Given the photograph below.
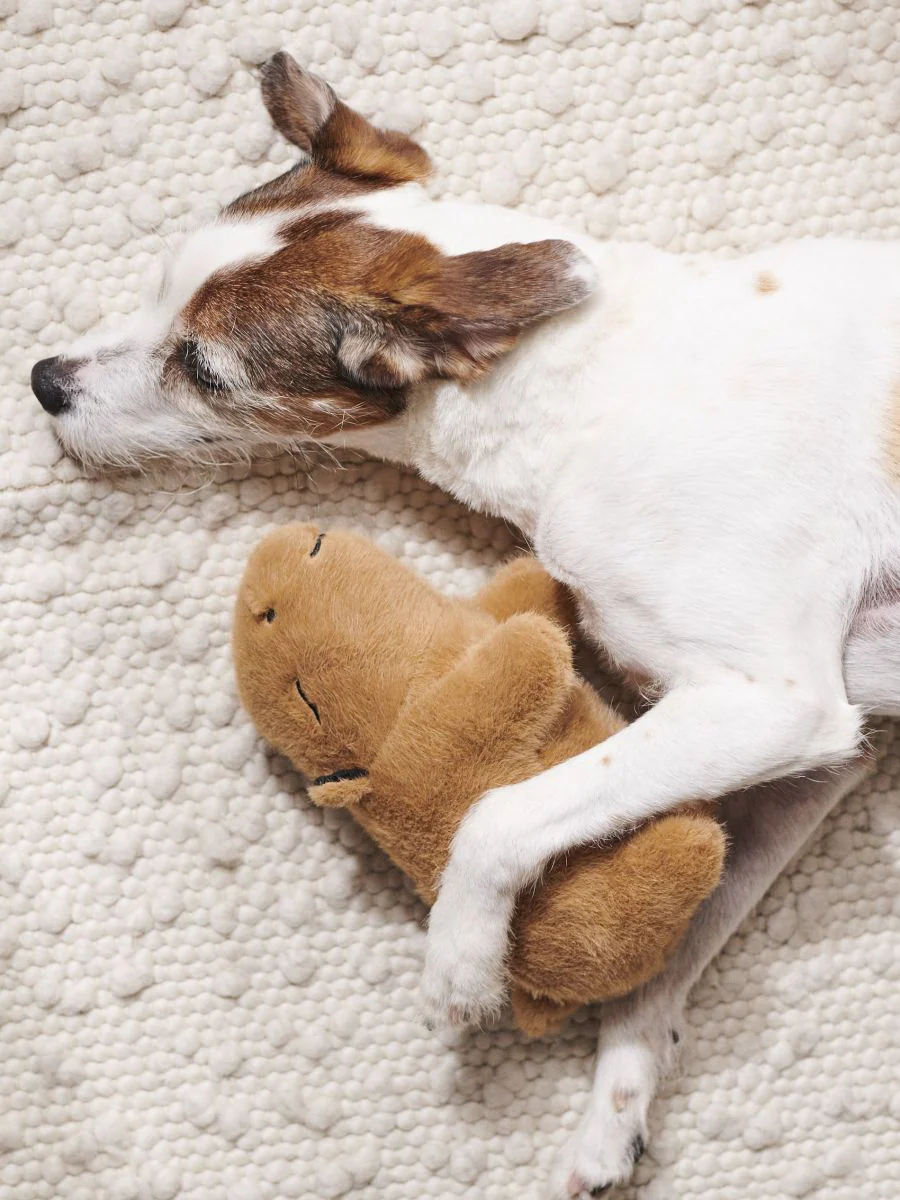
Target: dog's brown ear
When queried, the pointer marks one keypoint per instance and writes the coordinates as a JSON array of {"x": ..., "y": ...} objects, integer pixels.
[
  {"x": 305, "y": 110},
  {"x": 453, "y": 316}
]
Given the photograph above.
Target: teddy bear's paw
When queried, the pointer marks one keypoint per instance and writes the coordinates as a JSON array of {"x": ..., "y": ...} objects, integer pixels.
[
  {"x": 465, "y": 982},
  {"x": 613, "y": 1134}
]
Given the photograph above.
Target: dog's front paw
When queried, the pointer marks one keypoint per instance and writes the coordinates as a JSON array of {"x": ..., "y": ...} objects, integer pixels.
[
  {"x": 465, "y": 981},
  {"x": 613, "y": 1135}
]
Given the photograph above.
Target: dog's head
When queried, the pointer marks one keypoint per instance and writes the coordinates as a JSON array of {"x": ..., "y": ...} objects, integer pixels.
[{"x": 296, "y": 315}]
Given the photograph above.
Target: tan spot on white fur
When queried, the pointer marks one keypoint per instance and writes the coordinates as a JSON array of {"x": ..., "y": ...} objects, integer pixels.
[
  {"x": 606, "y": 760},
  {"x": 766, "y": 283},
  {"x": 892, "y": 432},
  {"x": 621, "y": 1098}
]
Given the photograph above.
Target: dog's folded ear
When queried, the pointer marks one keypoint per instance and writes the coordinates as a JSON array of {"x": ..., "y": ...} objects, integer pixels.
[
  {"x": 305, "y": 110},
  {"x": 452, "y": 316}
]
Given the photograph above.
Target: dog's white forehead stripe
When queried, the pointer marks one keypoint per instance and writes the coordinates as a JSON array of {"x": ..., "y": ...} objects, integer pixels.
[
  {"x": 200, "y": 255},
  {"x": 214, "y": 247}
]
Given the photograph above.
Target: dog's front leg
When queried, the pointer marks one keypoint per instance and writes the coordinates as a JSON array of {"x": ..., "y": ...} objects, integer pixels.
[
  {"x": 639, "y": 1034},
  {"x": 701, "y": 741}
]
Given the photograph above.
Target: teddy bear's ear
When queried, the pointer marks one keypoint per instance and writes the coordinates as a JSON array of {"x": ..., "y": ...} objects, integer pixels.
[{"x": 342, "y": 789}]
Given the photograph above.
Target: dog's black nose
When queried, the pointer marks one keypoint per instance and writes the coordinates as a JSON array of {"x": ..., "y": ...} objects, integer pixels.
[{"x": 49, "y": 382}]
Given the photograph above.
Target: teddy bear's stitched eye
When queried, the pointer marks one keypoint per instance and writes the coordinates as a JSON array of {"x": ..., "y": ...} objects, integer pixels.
[
  {"x": 270, "y": 615},
  {"x": 306, "y": 700}
]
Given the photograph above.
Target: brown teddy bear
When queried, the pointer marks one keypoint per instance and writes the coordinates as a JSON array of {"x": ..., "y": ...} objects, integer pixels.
[{"x": 404, "y": 706}]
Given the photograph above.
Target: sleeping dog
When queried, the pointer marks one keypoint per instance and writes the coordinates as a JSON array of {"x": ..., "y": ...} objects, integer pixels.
[{"x": 707, "y": 454}]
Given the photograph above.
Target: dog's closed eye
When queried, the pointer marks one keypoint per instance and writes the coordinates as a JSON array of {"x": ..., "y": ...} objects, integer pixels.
[
  {"x": 197, "y": 368},
  {"x": 306, "y": 700}
]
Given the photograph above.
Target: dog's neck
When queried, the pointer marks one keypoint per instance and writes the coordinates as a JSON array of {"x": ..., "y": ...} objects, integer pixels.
[{"x": 482, "y": 441}]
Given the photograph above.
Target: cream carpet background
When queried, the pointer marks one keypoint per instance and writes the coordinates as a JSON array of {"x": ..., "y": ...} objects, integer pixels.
[{"x": 208, "y": 989}]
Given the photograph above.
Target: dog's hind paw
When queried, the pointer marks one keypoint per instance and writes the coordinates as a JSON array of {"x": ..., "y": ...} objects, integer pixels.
[
  {"x": 594, "y": 1170},
  {"x": 612, "y": 1137}
]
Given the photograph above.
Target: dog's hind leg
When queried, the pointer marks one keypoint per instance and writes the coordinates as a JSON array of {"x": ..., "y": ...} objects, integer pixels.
[{"x": 768, "y": 825}]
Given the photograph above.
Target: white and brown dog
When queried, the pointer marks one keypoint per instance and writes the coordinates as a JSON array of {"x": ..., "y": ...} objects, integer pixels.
[{"x": 708, "y": 454}]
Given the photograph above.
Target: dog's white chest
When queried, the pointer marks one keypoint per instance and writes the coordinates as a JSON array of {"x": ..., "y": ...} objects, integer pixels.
[{"x": 479, "y": 452}]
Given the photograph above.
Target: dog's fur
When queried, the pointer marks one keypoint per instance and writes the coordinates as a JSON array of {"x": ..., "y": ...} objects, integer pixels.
[{"x": 708, "y": 454}]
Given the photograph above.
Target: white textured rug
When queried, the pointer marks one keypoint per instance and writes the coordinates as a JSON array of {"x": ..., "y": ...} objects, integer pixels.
[{"x": 208, "y": 989}]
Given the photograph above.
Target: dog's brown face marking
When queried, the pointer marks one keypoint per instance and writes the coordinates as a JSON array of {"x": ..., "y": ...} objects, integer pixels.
[
  {"x": 284, "y": 320},
  {"x": 332, "y": 329},
  {"x": 766, "y": 283}
]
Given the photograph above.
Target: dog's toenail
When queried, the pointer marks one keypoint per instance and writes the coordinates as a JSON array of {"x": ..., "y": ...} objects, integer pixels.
[
  {"x": 638, "y": 1146},
  {"x": 601, "y": 1190},
  {"x": 676, "y": 1036}
]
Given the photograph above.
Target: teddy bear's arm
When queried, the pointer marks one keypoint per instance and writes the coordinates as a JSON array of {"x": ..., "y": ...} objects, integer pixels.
[
  {"x": 487, "y": 717},
  {"x": 523, "y": 585},
  {"x": 343, "y": 789}
]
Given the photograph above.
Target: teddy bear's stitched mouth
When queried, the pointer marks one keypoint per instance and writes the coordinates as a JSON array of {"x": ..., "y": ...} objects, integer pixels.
[{"x": 340, "y": 776}]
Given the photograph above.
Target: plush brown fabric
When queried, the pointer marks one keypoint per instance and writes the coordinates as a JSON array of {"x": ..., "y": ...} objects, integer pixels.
[{"x": 416, "y": 704}]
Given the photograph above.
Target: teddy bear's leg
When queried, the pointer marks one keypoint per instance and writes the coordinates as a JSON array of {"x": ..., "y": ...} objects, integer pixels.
[
  {"x": 537, "y": 1017},
  {"x": 523, "y": 585},
  {"x": 605, "y": 920}
]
